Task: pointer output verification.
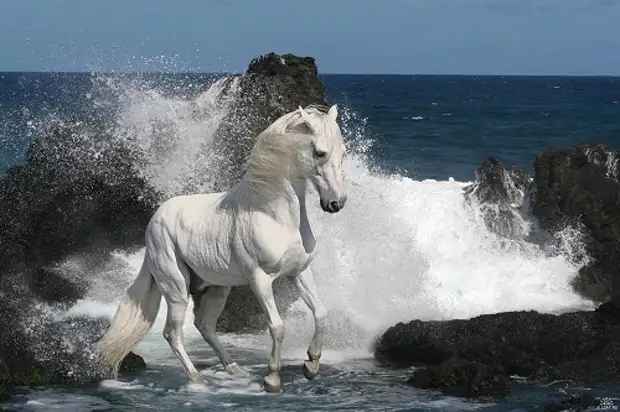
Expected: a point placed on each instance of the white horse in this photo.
(253, 234)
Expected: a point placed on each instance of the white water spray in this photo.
(401, 249)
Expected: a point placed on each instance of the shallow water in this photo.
(348, 381)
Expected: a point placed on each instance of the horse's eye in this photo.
(320, 154)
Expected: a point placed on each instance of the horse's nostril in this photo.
(335, 206)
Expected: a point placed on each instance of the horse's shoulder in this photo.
(265, 229)
(268, 239)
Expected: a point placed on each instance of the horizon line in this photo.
(319, 73)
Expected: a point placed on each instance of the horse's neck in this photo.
(291, 206)
(304, 224)
(288, 208)
(283, 201)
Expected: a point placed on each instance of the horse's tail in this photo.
(133, 319)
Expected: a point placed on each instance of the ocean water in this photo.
(407, 245)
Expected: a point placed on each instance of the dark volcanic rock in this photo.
(544, 347)
(579, 187)
(132, 363)
(244, 314)
(76, 193)
(62, 201)
(499, 194)
(579, 403)
(272, 86)
(32, 375)
(460, 377)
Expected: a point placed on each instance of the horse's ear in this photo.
(306, 117)
(333, 112)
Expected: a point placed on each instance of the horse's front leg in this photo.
(262, 286)
(305, 284)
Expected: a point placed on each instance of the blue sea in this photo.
(407, 246)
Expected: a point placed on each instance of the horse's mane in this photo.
(280, 152)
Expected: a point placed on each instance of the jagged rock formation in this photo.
(272, 86)
(476, 357)
(572, 188)
(579, 186)
(498, 193)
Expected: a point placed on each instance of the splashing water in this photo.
(402, 248)
(174, 135)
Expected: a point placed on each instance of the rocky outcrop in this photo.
(63, 200)
(578, 403)
(476, 357)
(575, 188)
(461, 377)
(498, 194)
(579, 187)
(33, 375)
(272, 86)
(79, 192)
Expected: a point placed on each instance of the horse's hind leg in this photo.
(173, 279)
(207, 309)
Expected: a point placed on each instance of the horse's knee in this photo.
(204, 327)
(168, 335)
(277, 331)
(172, 331)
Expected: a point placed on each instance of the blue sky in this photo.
(345, 36)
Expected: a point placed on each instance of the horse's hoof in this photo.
(310, 369)
(272, 384)
(236, 370)
(197, 378)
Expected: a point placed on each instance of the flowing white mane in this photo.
(284, 151)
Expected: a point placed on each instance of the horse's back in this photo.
(186, 211)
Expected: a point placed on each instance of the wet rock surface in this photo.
(579, 186)
(498, 194)
(572, 188)
(576, 403)
(475, 357)
(272, 86)
(575, 188)
(461, 377)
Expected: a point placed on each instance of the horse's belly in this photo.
(212, 259)
(232, 276)
(217, 270)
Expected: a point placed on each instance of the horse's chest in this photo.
(294, 260)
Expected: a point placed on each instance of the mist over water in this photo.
(173, 134)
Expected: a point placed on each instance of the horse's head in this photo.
(324, 162)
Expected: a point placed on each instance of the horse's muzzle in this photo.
(331, 207)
